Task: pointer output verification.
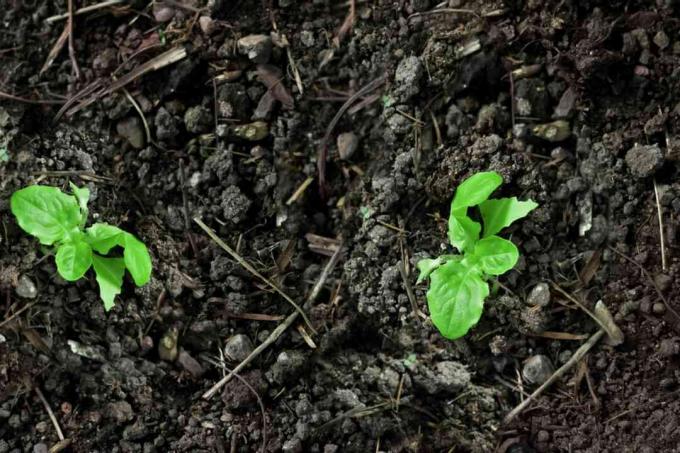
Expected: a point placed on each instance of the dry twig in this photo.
(49, 412)
(661, 238)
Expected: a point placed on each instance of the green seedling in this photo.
(458, 283)
(58, 220)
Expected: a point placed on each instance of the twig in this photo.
(409, 291)
(276, 333)
(49, 412)
(71, 47)
(661, 239)
(12, 97)
(585, 309)
(252, 270)
(139, 111)
(299, 191)
(443, 11)
(84, 10)
(58, 45)
(15, 314)
(323, 149)
(578, 355)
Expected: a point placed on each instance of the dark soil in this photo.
(574, 103)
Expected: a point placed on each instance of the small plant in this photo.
(458, 284)
(58, 219)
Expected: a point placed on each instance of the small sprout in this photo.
(458, 283)
(58, 220)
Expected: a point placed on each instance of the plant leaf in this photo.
(463, 232)
(73, 260)
(500, 213)
(46, 213)
(474, 190)
(103, 237)
(496, 255)
(137, 260)
(82, 194)
(427, 266)
(456, 298)
(109, 273)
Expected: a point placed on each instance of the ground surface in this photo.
(235, 128)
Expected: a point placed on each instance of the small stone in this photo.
(661, 40)
(663, 281)
(26, 288)
(257, 48)
(131, 130)
(198, 119)
(207, 24)
(348, 143)
(120, 412)
(40, 448)
(543, 436)
(238, 347)
(644, 160)
(233, 101)
(539, 295)
(188, 363)
(163, 13)
(253, 132)
(669, 347)
(293, 445)
(537, 369)
(658, 308)
(167, 347)
(288, 364)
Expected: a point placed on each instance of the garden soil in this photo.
(302, 130)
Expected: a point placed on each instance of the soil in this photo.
(574, 103)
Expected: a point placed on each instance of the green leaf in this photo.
(474, 190)
(82, 194)
(456, 298)
(73, 260)
(496, 255)
(46, 213)
(500, 213)
(463, 232)
(109, 273)
(103, 237)
(137, 260)
(427, 266)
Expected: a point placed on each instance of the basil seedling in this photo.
(458, 283)
(58, 219)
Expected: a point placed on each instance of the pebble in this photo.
(539, 295)
(40, 448)
(26, 288)
(189, 364)
(163, 13)
(207, 24)
(258, 48)
(131, 130)
(537, 369)
(669, 347)
(658, 308)
(348, 142)
(238, 347)
(644, 160)
(293, 445)
(555, 131)
(167, 347)
(287, 365)
(661, 40)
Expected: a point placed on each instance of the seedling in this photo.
(58, 219)
(458, 283)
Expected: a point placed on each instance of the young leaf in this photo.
(496, 255)
(427, 266)
(456, 298)
(500, 213)
(46, 213)
(103, 237)
(73, 260)
(463, 232)
(82, 194)
(109, 272)
(137, 260)
(474, 190)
